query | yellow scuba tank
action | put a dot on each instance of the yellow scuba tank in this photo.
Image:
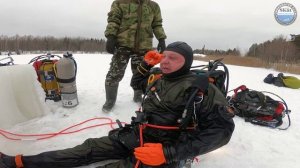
(44, 67)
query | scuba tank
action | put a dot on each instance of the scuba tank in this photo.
(66, 70)
(44, 66)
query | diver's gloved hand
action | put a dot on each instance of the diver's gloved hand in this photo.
(150, 154)
(153, 57)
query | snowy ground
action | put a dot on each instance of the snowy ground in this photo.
(250, 147)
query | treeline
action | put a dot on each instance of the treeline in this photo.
(28, 43)
(272, 51)
(277, 50)
(234, 52)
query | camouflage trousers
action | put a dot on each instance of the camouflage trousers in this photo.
(119, 64)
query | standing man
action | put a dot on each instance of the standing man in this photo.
(129, 33)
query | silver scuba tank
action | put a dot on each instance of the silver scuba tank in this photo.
(66, 70)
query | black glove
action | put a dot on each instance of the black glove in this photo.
(161, 45)
(111, 44)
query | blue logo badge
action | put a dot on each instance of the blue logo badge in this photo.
(285, 14)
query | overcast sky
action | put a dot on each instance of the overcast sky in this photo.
(217, 24)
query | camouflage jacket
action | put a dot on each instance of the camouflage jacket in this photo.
(134, 22)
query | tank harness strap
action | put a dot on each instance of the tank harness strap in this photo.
(70, 80)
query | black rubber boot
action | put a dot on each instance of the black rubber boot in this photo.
(111, 97)
(137, 97)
